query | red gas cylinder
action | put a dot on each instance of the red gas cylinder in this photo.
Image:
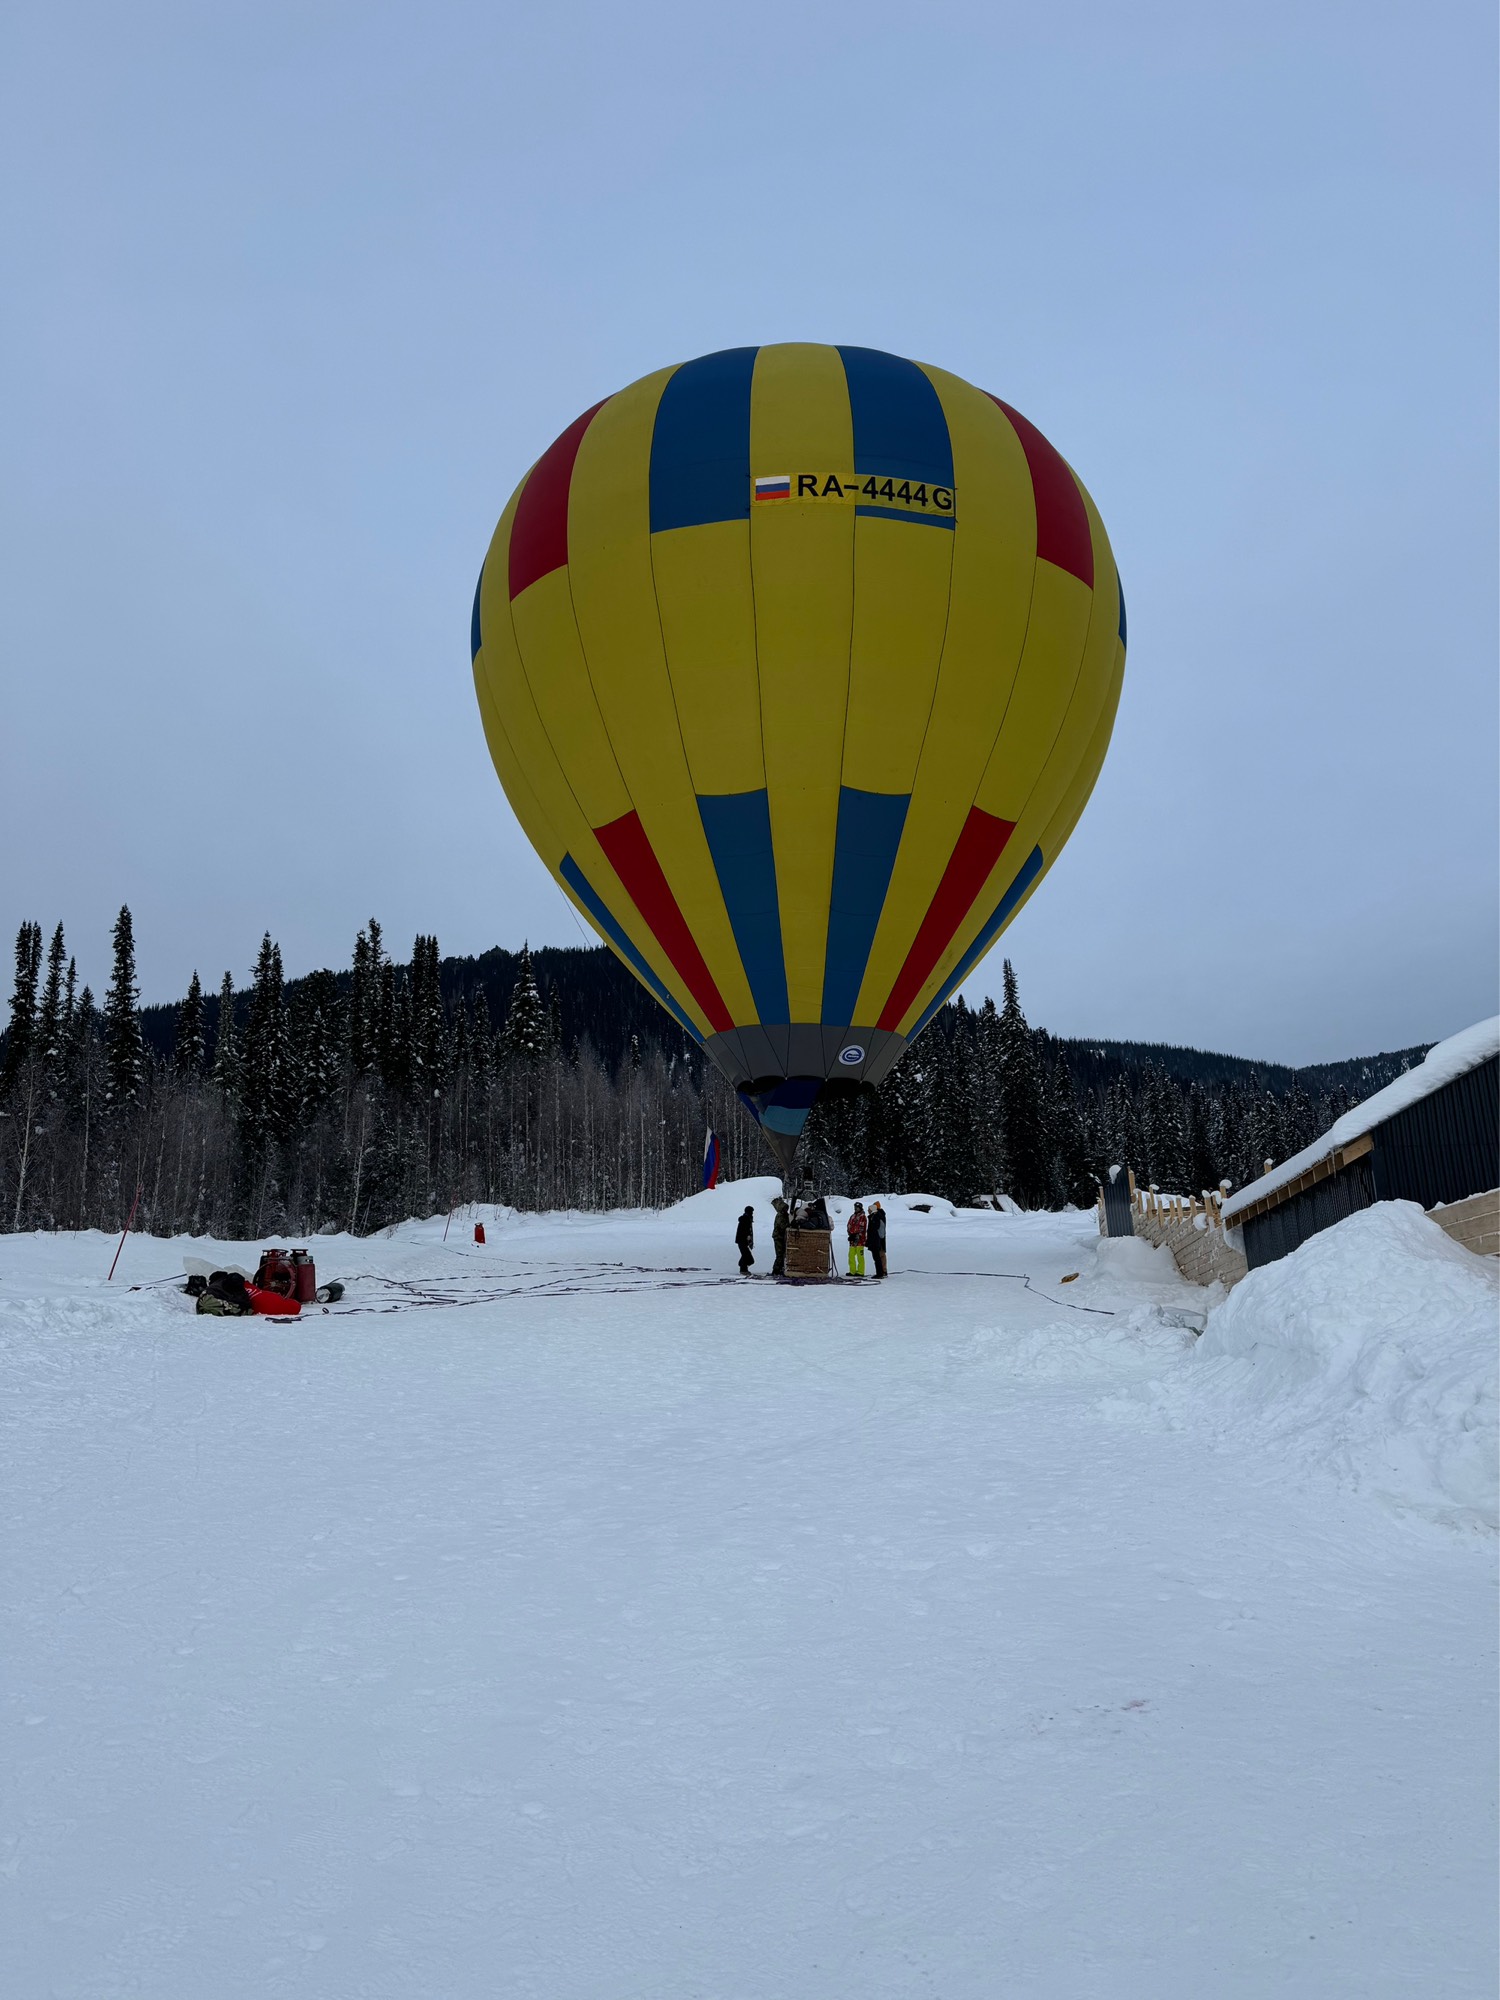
(478, 1232)
(275, 1273)
(304, 1277)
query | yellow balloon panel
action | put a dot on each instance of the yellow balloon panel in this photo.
(902, 582)
(706, 602)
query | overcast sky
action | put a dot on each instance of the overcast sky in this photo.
(291, 295)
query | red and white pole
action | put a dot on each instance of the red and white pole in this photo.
(126, 1231)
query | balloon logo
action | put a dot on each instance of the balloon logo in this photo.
(798, 665)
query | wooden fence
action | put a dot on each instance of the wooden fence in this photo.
(1191, 1227)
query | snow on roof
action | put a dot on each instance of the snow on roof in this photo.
(1442, 1063)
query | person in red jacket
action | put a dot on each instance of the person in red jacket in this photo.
(855, 1229)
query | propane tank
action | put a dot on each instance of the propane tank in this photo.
(304, 1277)
(275, 1273)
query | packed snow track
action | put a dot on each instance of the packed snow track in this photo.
(558, 1619)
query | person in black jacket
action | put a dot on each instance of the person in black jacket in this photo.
(778, 1238)
(875, 1237)
(817, 1214)
(744, 1237)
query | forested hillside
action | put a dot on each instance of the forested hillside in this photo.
(551, 1080)
(605, 1006)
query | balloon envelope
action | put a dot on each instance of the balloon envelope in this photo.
(798, 664)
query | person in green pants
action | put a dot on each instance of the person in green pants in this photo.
(855, 1229)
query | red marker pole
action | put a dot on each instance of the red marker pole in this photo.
(126, 1231)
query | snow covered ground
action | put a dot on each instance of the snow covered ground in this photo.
(558, 1619)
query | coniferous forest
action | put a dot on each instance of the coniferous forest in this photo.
(353, 1099)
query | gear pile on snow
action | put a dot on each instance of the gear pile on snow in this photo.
(284, 1282)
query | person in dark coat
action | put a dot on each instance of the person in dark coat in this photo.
(744, 1237)
(778, 1238)
(875, 1237)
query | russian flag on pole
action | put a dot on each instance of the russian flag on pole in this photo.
(711, 1160)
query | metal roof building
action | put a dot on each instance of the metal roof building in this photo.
(1432, 1136)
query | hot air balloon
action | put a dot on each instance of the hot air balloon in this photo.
(798, 665)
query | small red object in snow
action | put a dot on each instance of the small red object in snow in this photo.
(478, 1232)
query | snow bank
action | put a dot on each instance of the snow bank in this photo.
(1372, 1349)
(1141, 1342)
(1442, 1063)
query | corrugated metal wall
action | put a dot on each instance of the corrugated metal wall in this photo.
(1117, 1216)
(1446, 1146)
(1280, 1232)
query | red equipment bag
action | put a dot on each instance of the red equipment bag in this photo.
(276, 1305)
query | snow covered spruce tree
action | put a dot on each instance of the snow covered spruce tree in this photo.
(124, 1051)
(187, 1043)
(21, 1072)
(992, 1155)
(525, 1037)
(952, 1113)
(363, 979)
(265, 1097)
(523, 1056)
(429, 1023)
(20, 1030)
(123, 1131)
(1071, 1178)
(226, 1069)
(44, 1115)
(1021, 1108)
(186, 1132)
(315, 1037)
(53, 1012)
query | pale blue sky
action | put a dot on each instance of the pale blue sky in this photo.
(291, 295)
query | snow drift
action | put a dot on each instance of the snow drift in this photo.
(1372, 1349)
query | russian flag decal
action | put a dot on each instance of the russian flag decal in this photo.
(776, 486)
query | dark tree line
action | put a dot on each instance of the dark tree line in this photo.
(986, 1105)
(351, 1100)
(333, 1102)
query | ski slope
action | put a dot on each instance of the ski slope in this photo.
(567, 1618)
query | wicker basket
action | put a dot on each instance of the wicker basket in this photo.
(809, 1253)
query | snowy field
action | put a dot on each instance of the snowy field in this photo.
(565, 1619)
